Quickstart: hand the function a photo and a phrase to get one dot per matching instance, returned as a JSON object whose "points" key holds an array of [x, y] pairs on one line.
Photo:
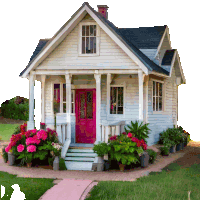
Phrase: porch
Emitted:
{"points": [[100, 104], [93, 117]]}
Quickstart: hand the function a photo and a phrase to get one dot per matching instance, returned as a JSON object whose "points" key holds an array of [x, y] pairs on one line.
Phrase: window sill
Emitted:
{"points": [[158, 112], [87, 55], [60, 114]]}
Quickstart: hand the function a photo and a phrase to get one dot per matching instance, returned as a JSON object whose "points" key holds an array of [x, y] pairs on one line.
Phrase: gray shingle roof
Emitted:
{"points": [[144, 37], [41, 44], [167, 59]]}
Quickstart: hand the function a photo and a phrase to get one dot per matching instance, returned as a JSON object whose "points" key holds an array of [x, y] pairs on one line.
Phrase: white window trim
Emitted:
{"points": [[61, 98], [124, 92], [97, 39], [163, 96]]}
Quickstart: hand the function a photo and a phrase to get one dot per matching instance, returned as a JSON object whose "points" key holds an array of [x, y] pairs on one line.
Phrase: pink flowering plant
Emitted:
{"points": [[125, 148], [32, 144]]}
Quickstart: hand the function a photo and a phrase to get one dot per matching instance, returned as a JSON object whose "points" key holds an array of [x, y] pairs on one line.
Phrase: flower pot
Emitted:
{"points": [[5, 160], [11, 159], [29, 165], [56, 163], [144, 159], [43, 127], [121, 167], [106, 165], [179, 147], [182, 145], [100, 164], [172, 149], [185, 144]]}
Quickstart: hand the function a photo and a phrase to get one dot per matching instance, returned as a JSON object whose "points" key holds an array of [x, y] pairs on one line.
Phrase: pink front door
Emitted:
{"points": [[85, 115]]}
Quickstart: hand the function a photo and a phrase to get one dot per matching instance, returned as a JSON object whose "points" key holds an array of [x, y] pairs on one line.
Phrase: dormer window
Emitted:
{"points": [[89, 39]]}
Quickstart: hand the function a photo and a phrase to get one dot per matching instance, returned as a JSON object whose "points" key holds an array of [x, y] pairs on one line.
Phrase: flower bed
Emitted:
{"points": [[125, 148], [34, 145]]}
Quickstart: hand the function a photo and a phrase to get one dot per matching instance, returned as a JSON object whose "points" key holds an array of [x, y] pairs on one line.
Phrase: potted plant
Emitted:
{"points": [[126, 149], [179, 146], [56, 151], [32, 144], [11, 158], [172, 147], [101, 149], [5, 155], [169, 138], [42, 126], [152, 155], [144, 159], [164, 151]]}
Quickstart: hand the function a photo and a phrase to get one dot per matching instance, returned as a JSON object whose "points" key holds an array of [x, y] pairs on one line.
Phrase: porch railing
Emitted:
{"points": [[111, 129], [61, 129]]}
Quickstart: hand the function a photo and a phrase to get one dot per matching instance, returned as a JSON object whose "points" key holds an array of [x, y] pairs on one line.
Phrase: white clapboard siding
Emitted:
{"points": [[66, 54]]}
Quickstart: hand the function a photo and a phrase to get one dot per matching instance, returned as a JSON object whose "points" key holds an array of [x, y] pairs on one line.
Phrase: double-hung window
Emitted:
{"points": [[59, 99], [89, 39], [88, 43], [116, 100], [157, 96]]}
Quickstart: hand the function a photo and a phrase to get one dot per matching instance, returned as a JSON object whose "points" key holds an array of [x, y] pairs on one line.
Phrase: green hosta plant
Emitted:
{"points": [[101, 149], [139, 131], [125, 148]]}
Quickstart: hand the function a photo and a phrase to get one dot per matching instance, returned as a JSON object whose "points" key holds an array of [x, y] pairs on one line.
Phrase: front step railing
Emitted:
{"points": [[111, 129]]}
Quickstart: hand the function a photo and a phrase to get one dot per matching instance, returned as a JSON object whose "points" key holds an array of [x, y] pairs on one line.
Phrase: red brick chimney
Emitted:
{"points": [[103, 10]]}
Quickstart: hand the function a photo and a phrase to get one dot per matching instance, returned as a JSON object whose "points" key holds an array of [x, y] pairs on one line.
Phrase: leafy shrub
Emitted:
{"points": [[139, 131], [62, 164], [171, 137], [4, 154], [164, 151], [101, 149], [15, 108], [152, 155]]}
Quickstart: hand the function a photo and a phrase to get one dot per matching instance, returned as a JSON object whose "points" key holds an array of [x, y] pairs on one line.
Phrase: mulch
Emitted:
{"points": [[191, 157], [10, 121]]}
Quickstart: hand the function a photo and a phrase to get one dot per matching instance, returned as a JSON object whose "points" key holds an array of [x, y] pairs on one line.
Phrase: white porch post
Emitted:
{"points": [[68, 104], [30, 123], [140, 80], [98, 107], [108, 93], [147, 98], [43, 77]]}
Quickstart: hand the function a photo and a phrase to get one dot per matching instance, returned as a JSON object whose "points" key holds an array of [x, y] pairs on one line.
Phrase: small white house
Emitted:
{"points": [[97, 77]]}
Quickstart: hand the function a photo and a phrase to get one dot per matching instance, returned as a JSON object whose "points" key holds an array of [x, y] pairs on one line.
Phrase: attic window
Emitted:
{"points": [[89, 39]]}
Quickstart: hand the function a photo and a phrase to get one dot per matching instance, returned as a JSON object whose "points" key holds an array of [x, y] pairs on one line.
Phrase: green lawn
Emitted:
{"points": [[33, 188], [172, 185], [6, 130]]}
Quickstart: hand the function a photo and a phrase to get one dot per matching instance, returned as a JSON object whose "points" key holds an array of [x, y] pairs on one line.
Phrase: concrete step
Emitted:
{"points": [[81, 158]]}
